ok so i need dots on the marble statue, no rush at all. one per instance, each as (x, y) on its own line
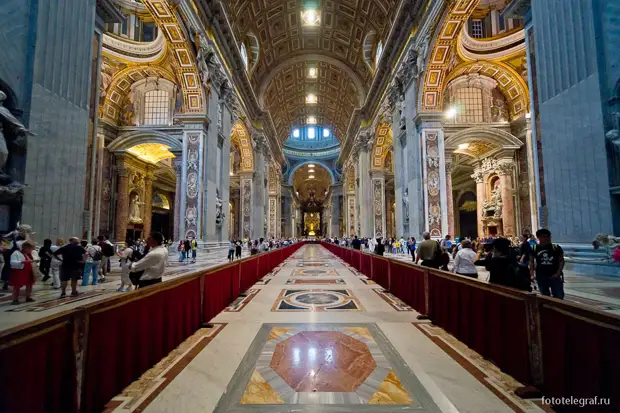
(219, 213)
(498, 111)
(494, 203)
(422, 52)
(613, 135)
(204, 61)
(134, 210)
(609, 242)
(12, 132)
(406, 203)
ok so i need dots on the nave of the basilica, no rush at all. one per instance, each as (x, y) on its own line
(261, 128)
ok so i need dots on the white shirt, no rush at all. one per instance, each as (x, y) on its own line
(91, 251)
(153, 264)
(464, 262)
(17, 259)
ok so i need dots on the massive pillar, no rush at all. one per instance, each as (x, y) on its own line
(191, 211)
(413, 182)
(400, 172)
(246, 192)
(434, 173)
(259, 186)
(122, 202)
(480, 198)
(225, 121)
(178, 168)
(505, 169)
(336, 213)
(449, 200)
(364, 198)
(148, 203)
(378, 203)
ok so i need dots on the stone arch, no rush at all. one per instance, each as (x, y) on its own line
(169, 23)
(130, 139)
(311, 161)
(382, 144)
(242, 140)
(498, 138)
(121, 86)
(369, 49)
(509, 82)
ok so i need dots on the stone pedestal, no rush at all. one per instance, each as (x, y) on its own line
(122, 203)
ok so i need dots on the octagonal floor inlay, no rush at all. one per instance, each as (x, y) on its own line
(317, 300)
(323, 361)
(310, 368)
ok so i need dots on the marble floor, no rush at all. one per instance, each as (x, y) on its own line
(48, 301)
(371, 356)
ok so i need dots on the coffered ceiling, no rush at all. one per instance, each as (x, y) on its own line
(288, 48)
(311, 179)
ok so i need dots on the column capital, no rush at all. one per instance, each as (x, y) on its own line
(505, 167)
(478, 176)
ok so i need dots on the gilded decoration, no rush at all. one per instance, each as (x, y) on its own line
(151, 152)
(378, 206)
(382, 144)
(433, 182)
(442, 53)
(352, 216)
(241, 139)
(166, 18)
(272, 217)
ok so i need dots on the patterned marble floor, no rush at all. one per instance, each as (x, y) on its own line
(48, 301)
(375, 359)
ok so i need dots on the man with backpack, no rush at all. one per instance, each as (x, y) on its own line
(92, 261)
(107, 251)
(547, 262)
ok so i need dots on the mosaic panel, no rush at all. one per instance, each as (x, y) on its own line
(317, 301)
(323, 368)
(316, 281)
(241, 301)
(391, 299)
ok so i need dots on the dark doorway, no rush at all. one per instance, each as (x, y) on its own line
(468, 219)
(161, 223)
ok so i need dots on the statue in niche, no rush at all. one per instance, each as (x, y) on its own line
(12, 134)
(492, 207)
(498, 111)
(134, 210)
(219, 214)
(128, 112)
(613, 135)
(178, 103)
(422, 52)
(406, 204)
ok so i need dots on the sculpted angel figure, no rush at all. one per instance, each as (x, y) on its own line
(10, 126)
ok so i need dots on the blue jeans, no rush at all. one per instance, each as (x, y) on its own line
(88, 268)
(551, 287)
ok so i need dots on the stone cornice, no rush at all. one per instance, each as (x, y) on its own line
(409, 13)
(212, 11)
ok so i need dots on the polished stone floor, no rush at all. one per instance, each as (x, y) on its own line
(376, 357)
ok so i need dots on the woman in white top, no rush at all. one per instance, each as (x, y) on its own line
(126, 255)
(464, 260)
(56, 263)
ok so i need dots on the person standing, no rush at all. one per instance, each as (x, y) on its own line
(547, 263)
(45, 253)
(194, 246)
(238, 249)
(356, 244)
(231, 250)
(92, 262)
(154, 263)
(56, 263)
(379, 247)
(126, 255)
(71, 269)
(187, 247)
(23, 267)
(428, 252)
(107, 252)
(464, 260)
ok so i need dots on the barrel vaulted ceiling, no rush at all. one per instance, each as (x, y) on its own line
(288, 49)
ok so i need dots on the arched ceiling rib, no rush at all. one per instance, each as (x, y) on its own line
(339, 37)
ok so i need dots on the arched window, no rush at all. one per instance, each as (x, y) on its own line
(244, 55)
(378, 53)
(469, 103)
(156, 107)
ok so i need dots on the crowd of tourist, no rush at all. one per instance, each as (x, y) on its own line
(142, 263)
(527, 263)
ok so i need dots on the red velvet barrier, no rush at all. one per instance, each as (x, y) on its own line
(248, 273)
(365, 265)
(581, 355)
(128, 335)
(219, 290)
(38, 369)
(380, 271)
(407, 283)
(490, 320)
(355, 259)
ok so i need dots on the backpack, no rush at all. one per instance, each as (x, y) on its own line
(97, 256)
(106, 249)
(136, 255)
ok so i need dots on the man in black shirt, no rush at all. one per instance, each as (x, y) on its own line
(548, 262)
(71, 268)
(356, 243)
